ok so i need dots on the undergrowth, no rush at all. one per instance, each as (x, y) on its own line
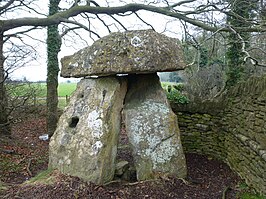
(174, 92)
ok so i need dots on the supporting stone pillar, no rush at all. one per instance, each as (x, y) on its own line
(85, 141)
(152, 129)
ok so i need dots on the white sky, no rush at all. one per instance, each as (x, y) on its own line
(36, 71)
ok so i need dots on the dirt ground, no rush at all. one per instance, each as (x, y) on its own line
(25, 155)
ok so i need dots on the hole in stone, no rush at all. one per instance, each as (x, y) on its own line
(74, 121)
(81, 95)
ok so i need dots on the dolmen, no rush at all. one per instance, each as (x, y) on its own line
(85, 141)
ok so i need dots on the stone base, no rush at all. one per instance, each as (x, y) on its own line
(85, 141)
(152, 129)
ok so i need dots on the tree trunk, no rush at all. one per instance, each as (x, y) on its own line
(53, 48)
(235, 55)
(4, 125)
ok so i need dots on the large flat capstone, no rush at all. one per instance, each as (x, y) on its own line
(85, 141)
(152, 129)
(138, 51)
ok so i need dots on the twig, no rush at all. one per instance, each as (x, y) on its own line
(28, 167)
(7, 151)
(140, 182)
(224, 192)
(111, 182)
(184, 181)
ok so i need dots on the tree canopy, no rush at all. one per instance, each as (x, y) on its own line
(19, 17)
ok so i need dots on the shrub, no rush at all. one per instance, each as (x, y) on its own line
(174, 93)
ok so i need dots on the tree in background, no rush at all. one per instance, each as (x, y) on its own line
(241, 16)
(4, 125)
(53, 48)
(111, 16)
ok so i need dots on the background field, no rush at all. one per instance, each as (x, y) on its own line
(65, 90)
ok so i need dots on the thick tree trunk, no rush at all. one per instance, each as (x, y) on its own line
(53, 48)
(52, 95)
(4, 125)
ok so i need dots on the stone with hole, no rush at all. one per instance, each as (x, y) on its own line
(85, 141)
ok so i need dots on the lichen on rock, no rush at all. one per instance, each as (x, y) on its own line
(85, 141)
(138, 51)
(152, 130)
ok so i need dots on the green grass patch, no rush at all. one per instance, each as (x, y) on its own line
(173, 92)
(66, 89)
(36, 92)
(251, 196)
(44, 177)
(247, 192)
(62, 102)
(39, 89)
(7, 164)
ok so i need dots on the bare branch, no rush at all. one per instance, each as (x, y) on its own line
(76, 10)
(118, 22)
(180, 3)
(6, 5)
(79, 26)
(144, 21)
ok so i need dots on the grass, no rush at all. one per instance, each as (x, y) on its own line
(63, 89)
(44, 177)
(9, 165)
(66, 89)
(251, 196)
(40, 89)
(247, 192)
(37, 91)
(173, 92)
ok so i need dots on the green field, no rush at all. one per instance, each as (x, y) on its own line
(66, 89)
(38, 90)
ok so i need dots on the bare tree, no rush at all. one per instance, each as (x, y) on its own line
(110, 16)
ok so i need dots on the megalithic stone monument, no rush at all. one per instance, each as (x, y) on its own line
(85, 141)
(152, 129)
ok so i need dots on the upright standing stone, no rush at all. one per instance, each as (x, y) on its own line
(85, 141)
(152, 129)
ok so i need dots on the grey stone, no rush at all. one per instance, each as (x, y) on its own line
(152, 129)
(85, 141)
(138, 51)
(121, 167)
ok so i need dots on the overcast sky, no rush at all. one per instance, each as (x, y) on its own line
(36, 71)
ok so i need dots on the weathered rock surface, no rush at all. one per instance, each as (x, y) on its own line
(121, 167)
(138, 51)
(152, 129)
(85, 141)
